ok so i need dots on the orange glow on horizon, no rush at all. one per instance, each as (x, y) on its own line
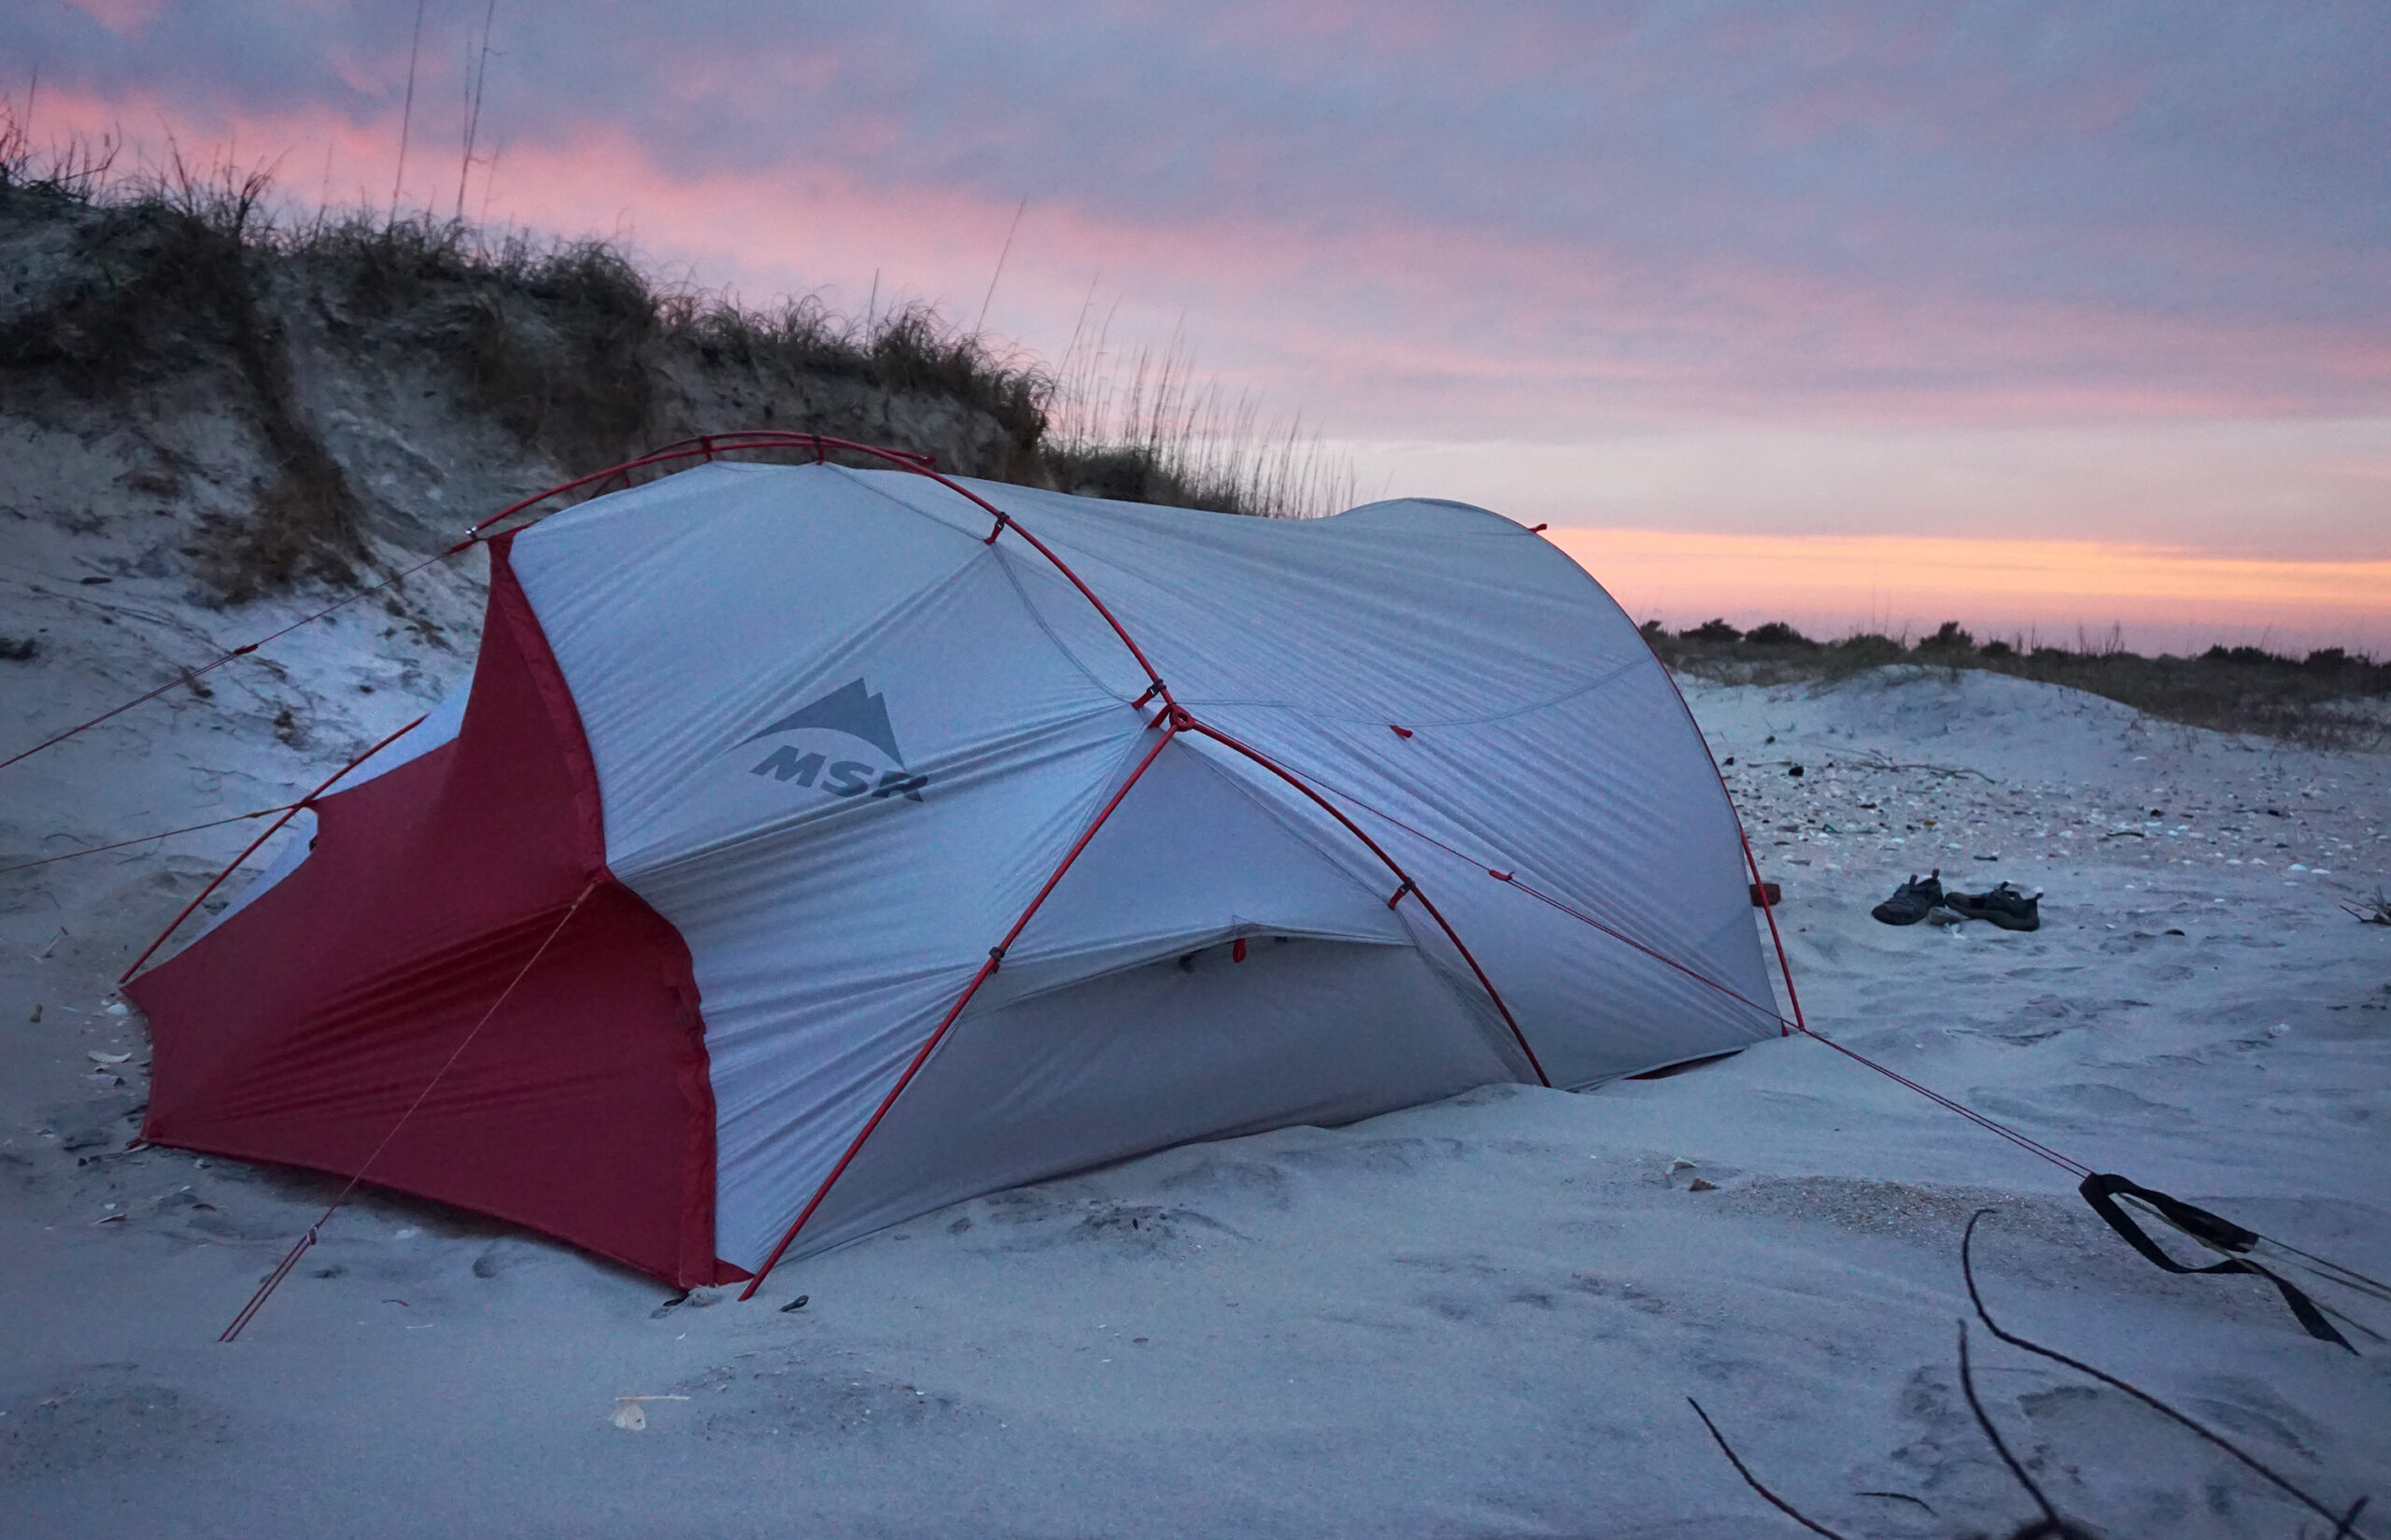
(1995, 586)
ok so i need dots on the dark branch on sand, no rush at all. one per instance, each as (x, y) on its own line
(2344, 1522)
(2052, 1523)
(1788, 1510)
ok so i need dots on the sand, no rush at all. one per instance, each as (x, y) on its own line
(1476, 1318)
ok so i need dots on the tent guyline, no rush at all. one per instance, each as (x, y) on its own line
(274, 1280)
(243, 650)
(288, 813)
(145, 839)
(1789, 1024)
(2236, 1243)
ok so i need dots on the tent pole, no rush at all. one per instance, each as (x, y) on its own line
(1171, 729)
(1409, 887)
(1751, 862)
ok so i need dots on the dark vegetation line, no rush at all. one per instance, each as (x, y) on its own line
(2321, 701)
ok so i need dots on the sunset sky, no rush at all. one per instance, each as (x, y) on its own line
(2037, 316)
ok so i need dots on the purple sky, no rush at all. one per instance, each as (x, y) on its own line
(2111, 271)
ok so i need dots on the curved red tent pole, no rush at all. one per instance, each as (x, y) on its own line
(704, 447)
(920, 1055)
(1174, 721)
(1751, 862)
(710, 445)
(1409, 887)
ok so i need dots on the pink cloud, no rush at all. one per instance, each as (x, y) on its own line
(127, 19)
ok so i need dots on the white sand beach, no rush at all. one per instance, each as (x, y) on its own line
(1478, 1317)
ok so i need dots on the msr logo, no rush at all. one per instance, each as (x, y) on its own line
(858, 714)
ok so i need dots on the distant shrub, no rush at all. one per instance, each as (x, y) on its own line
(2248, 658)
(1776, 633)
(1948, 638)
(1714, 630)
(1869, 649)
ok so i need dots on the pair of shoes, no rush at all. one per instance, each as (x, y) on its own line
(2005, 906)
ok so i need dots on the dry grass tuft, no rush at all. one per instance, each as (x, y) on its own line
(173, 267)
(1146, 429)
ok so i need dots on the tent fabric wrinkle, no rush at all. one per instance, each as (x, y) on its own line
(928, 862)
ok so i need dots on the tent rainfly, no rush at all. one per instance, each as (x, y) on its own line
(811, 850)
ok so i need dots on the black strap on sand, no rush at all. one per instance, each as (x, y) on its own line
(2101, 1192)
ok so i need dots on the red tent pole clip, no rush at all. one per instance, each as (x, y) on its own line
(1406, 887)
(1538, 529)
(1399, 732)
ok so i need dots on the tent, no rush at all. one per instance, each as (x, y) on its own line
(812, 849)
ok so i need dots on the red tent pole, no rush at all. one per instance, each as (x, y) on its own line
(920, 1055)
(1409, 887)
(1751, 862)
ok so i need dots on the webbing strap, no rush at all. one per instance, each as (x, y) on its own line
(2215, 1231)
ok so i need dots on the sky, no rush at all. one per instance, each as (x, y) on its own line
(2037, 316)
